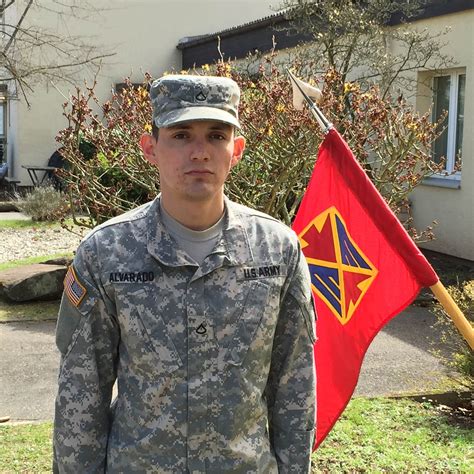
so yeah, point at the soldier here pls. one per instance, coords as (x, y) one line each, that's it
(199, 308)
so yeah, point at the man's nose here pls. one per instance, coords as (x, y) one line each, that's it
(200, 151)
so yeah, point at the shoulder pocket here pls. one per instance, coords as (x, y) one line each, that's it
(78, 299)
(69, 320)
(304, 298)
(310, 318)
(308, 312)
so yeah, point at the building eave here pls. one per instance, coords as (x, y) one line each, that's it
(276, 32)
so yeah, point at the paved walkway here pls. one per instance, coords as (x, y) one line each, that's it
(397, 362)
(400, 359)
(28, 370)
(13, 216)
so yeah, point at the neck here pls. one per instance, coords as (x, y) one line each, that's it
(198, 215)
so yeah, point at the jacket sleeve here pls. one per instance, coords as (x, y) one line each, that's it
(291, 388)
(87, 336)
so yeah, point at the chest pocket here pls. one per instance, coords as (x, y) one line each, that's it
(250, 337)
(145, 337)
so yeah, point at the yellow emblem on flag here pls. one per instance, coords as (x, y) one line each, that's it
(340, 272)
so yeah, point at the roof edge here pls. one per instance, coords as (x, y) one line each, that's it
(277, 17)
(434, 9)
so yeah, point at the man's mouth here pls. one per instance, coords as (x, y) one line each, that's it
(199, 172)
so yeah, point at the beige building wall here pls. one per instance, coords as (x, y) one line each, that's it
(452, 209)
(143, 34)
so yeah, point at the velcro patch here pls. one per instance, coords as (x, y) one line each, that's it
(73, 288)
(262, 271)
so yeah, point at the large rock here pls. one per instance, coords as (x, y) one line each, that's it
(8, 206)
(32, 282)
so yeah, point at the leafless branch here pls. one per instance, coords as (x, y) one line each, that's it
(20, 21)
(32, 52)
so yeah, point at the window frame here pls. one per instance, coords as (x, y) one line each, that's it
(449, 172)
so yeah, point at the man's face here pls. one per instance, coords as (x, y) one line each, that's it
(194, 159)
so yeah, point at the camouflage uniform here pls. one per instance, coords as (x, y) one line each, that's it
(214, 363)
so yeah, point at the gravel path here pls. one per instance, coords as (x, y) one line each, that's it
(17, 244)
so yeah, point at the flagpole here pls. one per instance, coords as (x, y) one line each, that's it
(453, 311)
(323, 122)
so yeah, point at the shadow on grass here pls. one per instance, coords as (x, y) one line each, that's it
(459, 417)
(455, 408)
(28, 311)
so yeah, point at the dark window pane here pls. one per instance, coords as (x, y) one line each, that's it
(460, 120)
(441, 104)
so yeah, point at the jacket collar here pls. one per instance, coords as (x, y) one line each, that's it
(233, 248)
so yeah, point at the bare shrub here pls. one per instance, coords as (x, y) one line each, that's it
(44, 204)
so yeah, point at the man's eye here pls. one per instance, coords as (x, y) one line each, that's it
(180, 135)
(217, 136)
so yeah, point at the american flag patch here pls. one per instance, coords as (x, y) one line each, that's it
(73, 288)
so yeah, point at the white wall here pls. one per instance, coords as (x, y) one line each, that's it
(11, 126)
(453, 209)
(143, 34)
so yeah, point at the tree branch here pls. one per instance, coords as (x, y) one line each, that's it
(12, 37)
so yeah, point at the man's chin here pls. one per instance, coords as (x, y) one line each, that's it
(202, 195)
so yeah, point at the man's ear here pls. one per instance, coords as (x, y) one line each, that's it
(147, 144)
(239, 147)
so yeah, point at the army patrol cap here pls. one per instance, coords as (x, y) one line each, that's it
(181, 98)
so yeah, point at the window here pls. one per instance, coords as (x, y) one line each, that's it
(448, 96)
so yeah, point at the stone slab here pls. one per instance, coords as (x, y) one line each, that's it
(32, 282)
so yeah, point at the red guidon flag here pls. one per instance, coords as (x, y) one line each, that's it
(364, 269)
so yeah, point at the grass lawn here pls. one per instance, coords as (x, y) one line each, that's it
(26, 224)
(28, 311)
(25, 448)
(29, 224)
(374, 435)
(384, 435)
(30, 260)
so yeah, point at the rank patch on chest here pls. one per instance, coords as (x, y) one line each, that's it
(131, 277)
(73, 288)
(263, 271)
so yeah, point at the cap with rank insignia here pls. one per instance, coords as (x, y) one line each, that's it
(182, 98)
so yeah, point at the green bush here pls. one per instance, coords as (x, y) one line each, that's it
(44, 203)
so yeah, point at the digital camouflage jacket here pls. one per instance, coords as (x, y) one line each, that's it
(214, 363)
